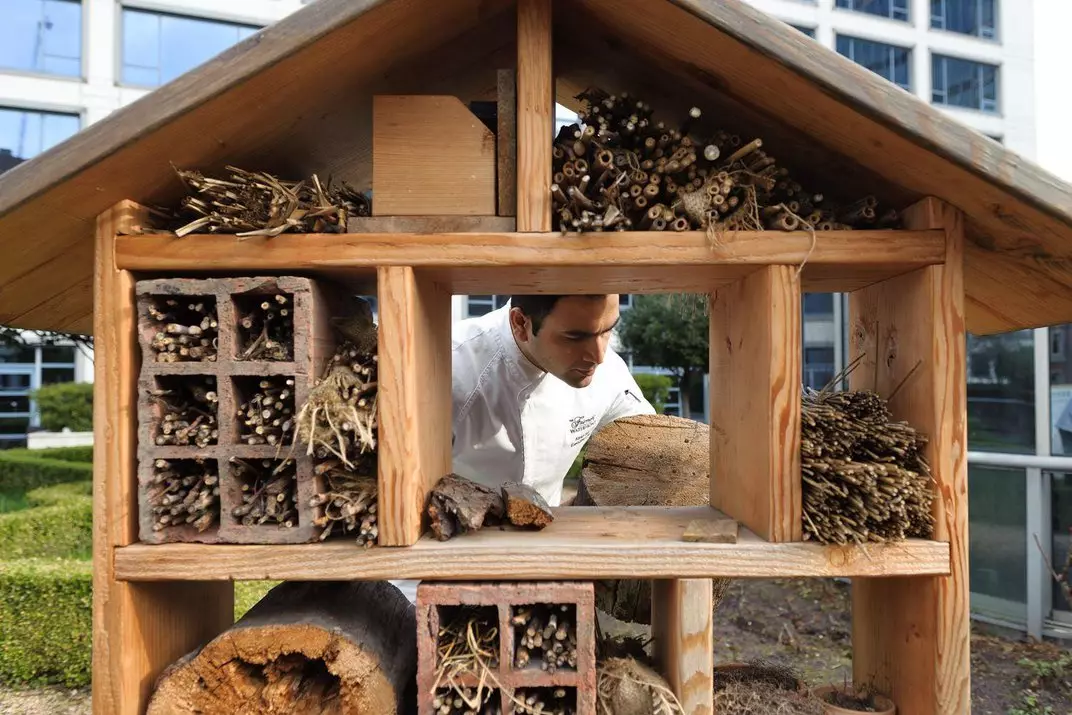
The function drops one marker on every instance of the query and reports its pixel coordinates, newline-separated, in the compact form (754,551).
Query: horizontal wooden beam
(582,543)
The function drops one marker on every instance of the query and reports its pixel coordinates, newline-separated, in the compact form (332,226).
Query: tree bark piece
(525,507)
(307,647)
(458,505)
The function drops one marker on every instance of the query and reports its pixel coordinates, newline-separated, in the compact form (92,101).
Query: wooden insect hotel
(428,131)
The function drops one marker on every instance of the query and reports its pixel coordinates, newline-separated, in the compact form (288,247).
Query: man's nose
(597,349)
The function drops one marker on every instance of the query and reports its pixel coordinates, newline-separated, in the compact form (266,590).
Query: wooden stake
(535,115)
(682,625)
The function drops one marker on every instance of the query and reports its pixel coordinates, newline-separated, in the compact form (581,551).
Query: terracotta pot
(883,705)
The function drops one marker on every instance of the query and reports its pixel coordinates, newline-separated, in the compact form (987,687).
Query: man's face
(573,338)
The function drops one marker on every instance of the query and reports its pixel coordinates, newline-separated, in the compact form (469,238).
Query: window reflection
(1061,501)
(158,47)
(997,513)
(1001,392)
(41,36)
(25,134)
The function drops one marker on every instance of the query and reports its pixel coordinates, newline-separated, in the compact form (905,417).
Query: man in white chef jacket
(532,381)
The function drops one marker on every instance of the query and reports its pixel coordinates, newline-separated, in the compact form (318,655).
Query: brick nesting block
(313,345)
(503,597)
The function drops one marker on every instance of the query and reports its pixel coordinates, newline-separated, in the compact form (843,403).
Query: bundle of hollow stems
(187,329)
(256,203)
(348,500)
(188,407)
(621,169)
(184,492)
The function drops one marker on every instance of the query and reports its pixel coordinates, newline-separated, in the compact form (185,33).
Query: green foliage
(80,453)
(1030,705)
(66,404)
(14,500)
(46,628)
(63,528)
(1049,673)
(656,389)
(19,472)
(59,494)
(248,593)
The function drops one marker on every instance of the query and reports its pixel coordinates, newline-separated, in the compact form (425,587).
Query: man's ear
(519,325)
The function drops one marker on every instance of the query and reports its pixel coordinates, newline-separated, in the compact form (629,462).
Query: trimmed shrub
(59,494)
(62,530)
(82,454)
(66,404)
(24,472)
(46,628)
(656,389)
(248,593)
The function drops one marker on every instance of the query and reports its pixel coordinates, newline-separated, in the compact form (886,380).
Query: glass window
(15,404)
(997,514)
(57,353)
(1061,501)
(157,47)
(809,31)
(17,354)
(963,83)
(818,366)
(25,133)
(14,381)
(52,375)
(896,9)
(970,17)
(17,426)
(1001,392)
(888,61)
(477,305)
(818,303)
(42,36)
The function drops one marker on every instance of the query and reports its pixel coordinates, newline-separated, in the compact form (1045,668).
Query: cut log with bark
(306,648)
(525,507)
(458,505)
(646,460)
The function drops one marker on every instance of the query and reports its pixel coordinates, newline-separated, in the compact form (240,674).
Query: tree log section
(647,460)
(458,505)
(525,507)
(306,647)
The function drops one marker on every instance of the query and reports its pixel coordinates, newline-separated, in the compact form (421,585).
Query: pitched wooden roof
(295,98)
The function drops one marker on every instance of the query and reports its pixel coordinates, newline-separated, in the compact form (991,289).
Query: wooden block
(535,115)
(431,224)
(682,619)
(138,629)
(506,142)
(414,399)
(430,155)
(722,531)
(911,636)
(755,402)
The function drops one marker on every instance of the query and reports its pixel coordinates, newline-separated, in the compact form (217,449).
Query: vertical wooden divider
(911,635)
(755,402)
(414,398)
(138,628)
(535,115)
(682,620)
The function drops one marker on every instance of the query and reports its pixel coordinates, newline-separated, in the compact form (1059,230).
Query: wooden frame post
(138,628)
(682,625)
(414,398)
(755,402)
(911,635)
(535,115)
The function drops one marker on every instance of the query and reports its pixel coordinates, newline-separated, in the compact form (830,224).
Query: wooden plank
(138,629)
(431,224)
(755,402)
(682,619)
(535,115)
(506,142)
(912,635)
(583,543)
(414,399)
(430,155)
(712,532)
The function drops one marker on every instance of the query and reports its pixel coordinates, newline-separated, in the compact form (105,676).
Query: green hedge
(64,529)
(656,388)
(46,626)
(64,454)
(66,404)
(59,494)
(25,472)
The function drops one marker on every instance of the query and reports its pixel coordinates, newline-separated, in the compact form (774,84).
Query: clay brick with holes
(537,639)
(225,363)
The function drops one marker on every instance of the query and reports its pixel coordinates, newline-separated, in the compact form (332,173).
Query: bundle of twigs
(266,332)
(269,493)
(865,478)
(267,417)
(188,411)
(456,701)
(348,500)
(248,203)
(545,635)
(184,491)
(620,169)
(467,646)
(186,329)
(545,701)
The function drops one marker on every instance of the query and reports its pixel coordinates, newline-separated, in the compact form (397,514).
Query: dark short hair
(537,307)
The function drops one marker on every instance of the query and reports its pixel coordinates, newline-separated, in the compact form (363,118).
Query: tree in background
(671,332)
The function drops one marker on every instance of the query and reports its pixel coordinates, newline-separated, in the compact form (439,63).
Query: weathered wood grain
(506,142)
(911,635)
(755,402)
(682,615)
(535,115)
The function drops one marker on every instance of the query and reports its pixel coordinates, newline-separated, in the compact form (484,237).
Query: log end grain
(525,507)
(458,505)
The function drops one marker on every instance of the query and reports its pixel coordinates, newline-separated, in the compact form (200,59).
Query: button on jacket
(514,422)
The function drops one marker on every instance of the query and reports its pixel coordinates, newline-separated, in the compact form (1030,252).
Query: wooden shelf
(634,262)
(583,543)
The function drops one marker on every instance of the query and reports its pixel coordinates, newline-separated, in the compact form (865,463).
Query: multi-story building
(65,64)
